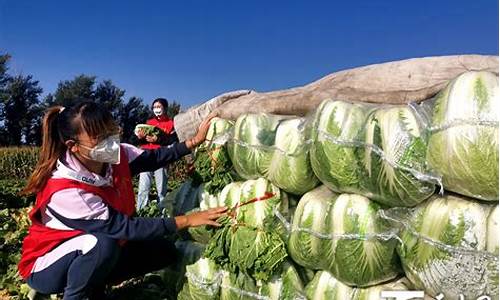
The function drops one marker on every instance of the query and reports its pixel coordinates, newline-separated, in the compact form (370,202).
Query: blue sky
(190,51)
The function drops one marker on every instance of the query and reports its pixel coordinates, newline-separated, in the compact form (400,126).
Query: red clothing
(164,123)
(42,239)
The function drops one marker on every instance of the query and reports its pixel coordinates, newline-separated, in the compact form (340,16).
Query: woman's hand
(151,138)
(206,217)
(202,132)
(140,134)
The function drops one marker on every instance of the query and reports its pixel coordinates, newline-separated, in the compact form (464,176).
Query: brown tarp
(398,82)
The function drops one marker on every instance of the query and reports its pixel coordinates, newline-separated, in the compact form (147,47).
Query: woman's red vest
(42,239)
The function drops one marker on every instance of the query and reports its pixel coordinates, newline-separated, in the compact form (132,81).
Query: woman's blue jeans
(161,179)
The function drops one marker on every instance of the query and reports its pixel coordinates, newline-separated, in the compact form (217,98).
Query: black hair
(61,124)
(85,116)
(163,103)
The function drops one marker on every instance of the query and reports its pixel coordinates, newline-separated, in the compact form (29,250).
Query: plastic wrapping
(463,129)
(343,235)
(205,282)
(445,248)
(326,287)
(493,231)
(286,285)
(393,154)
(290,167)
(273,147)
(251,146)
(189,253)
(375,151)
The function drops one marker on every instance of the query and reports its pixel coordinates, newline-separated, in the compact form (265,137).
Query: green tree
(20,108)
(173,108)
(110,96)
(69,91)
(107,94)
(4,78)
(132,113)
(34,136)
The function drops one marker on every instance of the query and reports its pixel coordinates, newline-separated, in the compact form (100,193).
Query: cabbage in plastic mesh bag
(343,235)
(251,146)
(273,147)
(463,144)
(375,151)
(445,246)
(286,285)
(290,167)
(205,282)
(324,286)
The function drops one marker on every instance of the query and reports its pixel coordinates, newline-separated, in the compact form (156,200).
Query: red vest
(164,123)
(42,239)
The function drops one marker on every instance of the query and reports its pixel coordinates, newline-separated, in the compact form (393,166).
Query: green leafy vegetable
(463,146)
(343,235)
(212,164)
(378,152)
(251,239)
(148,129)
(444,244)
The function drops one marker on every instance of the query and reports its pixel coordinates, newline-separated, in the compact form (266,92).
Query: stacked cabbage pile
(377,209)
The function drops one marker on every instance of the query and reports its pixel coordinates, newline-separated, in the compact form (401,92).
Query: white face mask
(107,151)
(158,111)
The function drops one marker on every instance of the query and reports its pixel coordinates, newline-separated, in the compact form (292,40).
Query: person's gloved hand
(206,217)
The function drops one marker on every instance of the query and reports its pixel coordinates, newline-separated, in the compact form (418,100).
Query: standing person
(165,137)
(83,233)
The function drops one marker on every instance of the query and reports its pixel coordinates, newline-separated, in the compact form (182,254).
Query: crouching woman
(84,233)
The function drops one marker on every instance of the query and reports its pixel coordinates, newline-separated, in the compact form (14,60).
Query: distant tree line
(22,106)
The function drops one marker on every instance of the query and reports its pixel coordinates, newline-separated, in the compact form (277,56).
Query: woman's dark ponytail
(52,148)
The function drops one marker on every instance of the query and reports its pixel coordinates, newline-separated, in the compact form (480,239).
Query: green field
(16,165)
